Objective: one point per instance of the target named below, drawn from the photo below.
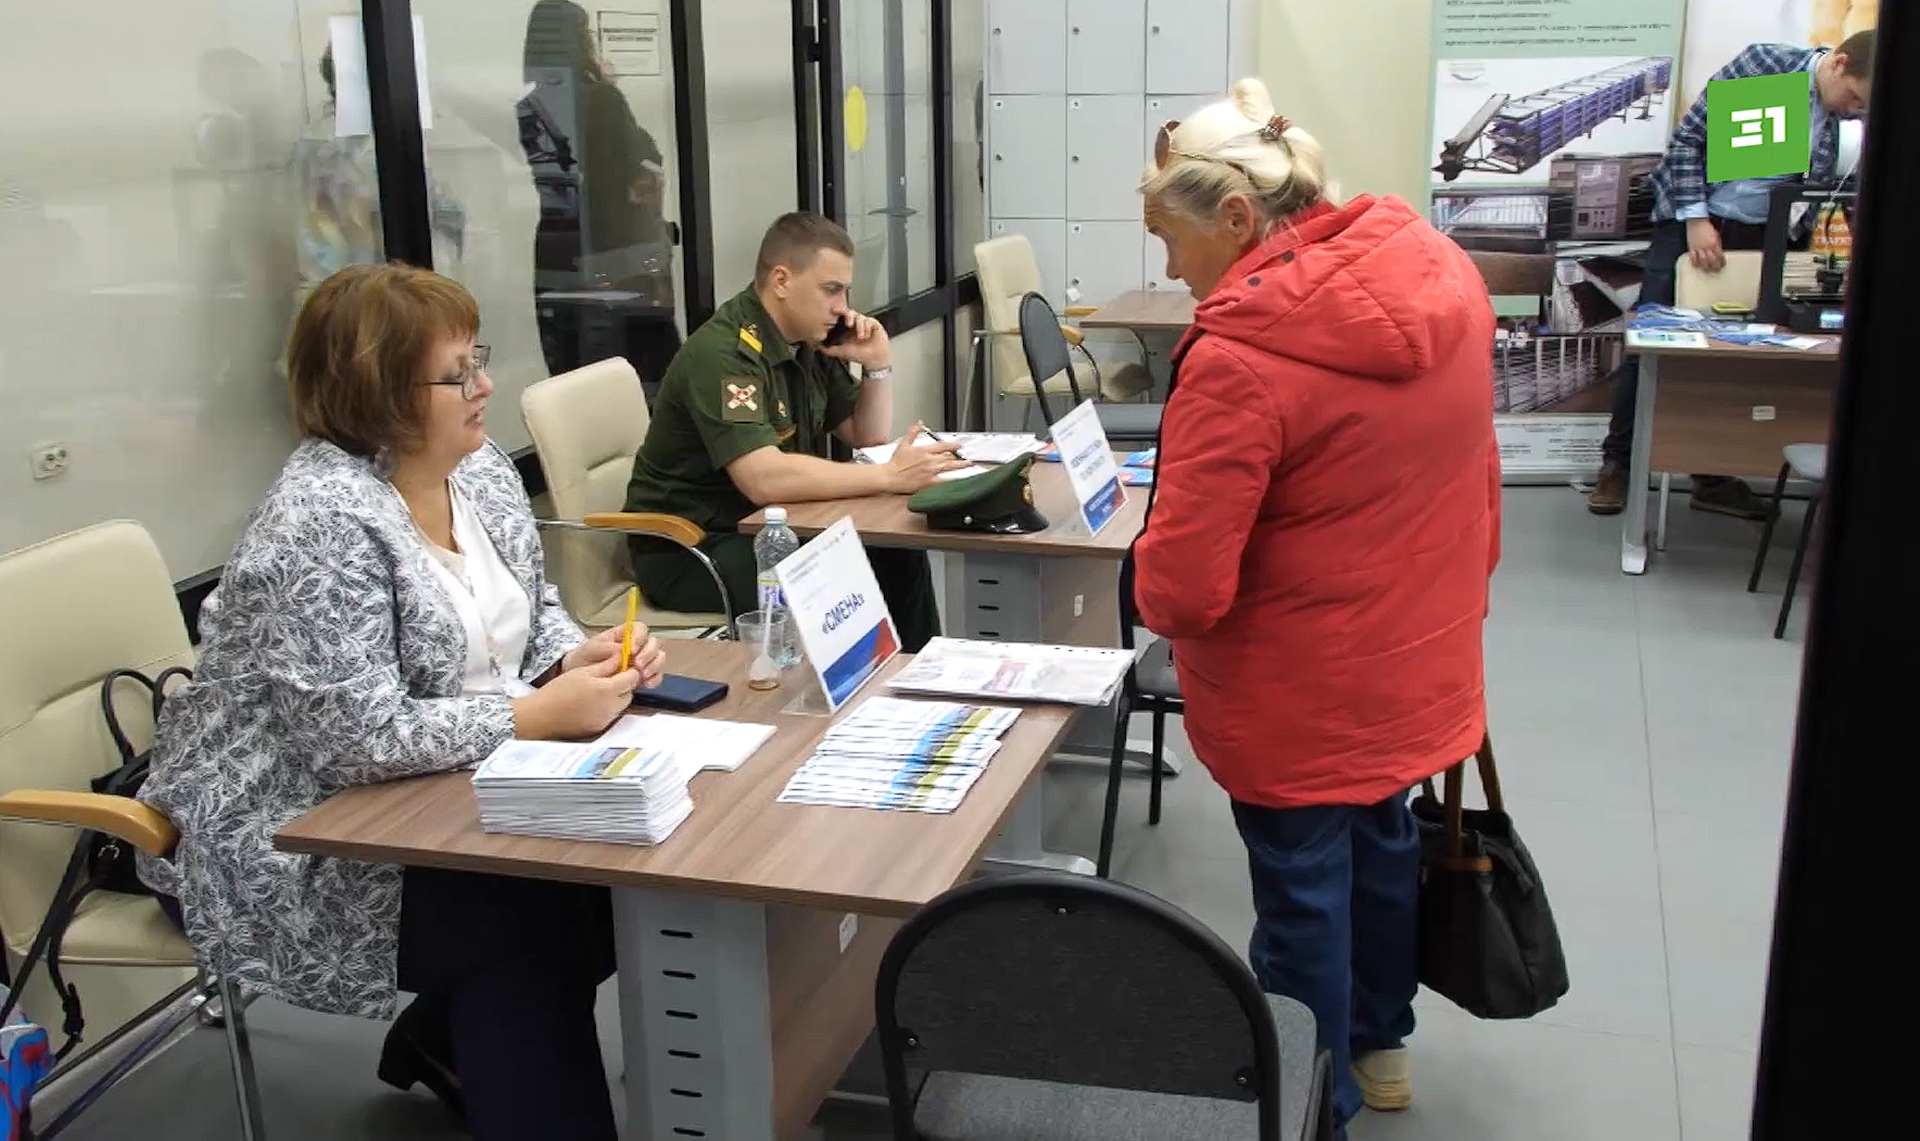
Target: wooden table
(1059, 586)
(746, 978)
(1145, 310)
(1724, 409)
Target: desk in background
(1059, 586)
(1143, 311)
(744, 981)
(1695, 412)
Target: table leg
(1019, 848)
(1021, 598)
(695, 1016)
(1633, 531)
(1660, 522)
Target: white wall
(1355, 75)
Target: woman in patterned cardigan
(386, 614)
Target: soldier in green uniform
(745, 416)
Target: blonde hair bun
(1249, 96)
(1225, 149)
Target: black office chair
(1080, 1009)
(1048, 355)
(1808, 462)
(1151, 686)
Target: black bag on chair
(110, 864)
(1487, 937)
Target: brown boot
(1609, 494)
(1725, 495)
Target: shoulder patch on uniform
(740, 401)
(750, 337)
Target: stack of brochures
(1016, 671)
(916, 756)
(628, 787)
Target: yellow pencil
(626, 639)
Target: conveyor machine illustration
(1508, 135)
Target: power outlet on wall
(48, 461)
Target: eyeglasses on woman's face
(468, 380)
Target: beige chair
(586, 426)
(72, 609)
(1008, 272)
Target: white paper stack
(628, 787)
(582, 792)
(1016, 671)
(985, 449)
(917, 756)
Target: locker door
(1026, 47)
(1026, 156)
(1103, 261)
(1106, 46)
(1187, 46)
(1048, 237)
(1106, 151)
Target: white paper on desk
(352, 101)
(697, 743)
(1665, 339)
(1797, 342)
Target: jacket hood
(1367, 289)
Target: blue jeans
(1336, 896)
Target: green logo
(1758, 128)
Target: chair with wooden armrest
(1008, 271)
(586, 426)
(72, 610)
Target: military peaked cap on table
(998, 501)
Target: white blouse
(493, 606)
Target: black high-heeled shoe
(410, 1055)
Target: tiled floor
(1644, 728)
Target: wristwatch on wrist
(881, 373)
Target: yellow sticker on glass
(855, 115)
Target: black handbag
(1487, 936)
(110, 864)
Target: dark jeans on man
(1336, 901)
(673, 580)
(506, 971)
(1668, 245)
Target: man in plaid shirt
(1703, 220)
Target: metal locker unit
(1027, 156)
(1026, 40)
(1103, 259)
(1106, 47)
(1107, 149)
(1188, 45)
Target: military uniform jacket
(735, 387)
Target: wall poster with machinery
(1547, 117)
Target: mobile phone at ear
(679, 694)
(837, 335)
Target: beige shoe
(1609, 494)
(1385, 1080)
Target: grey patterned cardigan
(331, 657)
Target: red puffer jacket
(1328, 511)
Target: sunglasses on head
(1275, 131)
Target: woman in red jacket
(1325, 522)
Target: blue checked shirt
(1680, 184)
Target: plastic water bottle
(774, 543)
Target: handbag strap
(1453, 835)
